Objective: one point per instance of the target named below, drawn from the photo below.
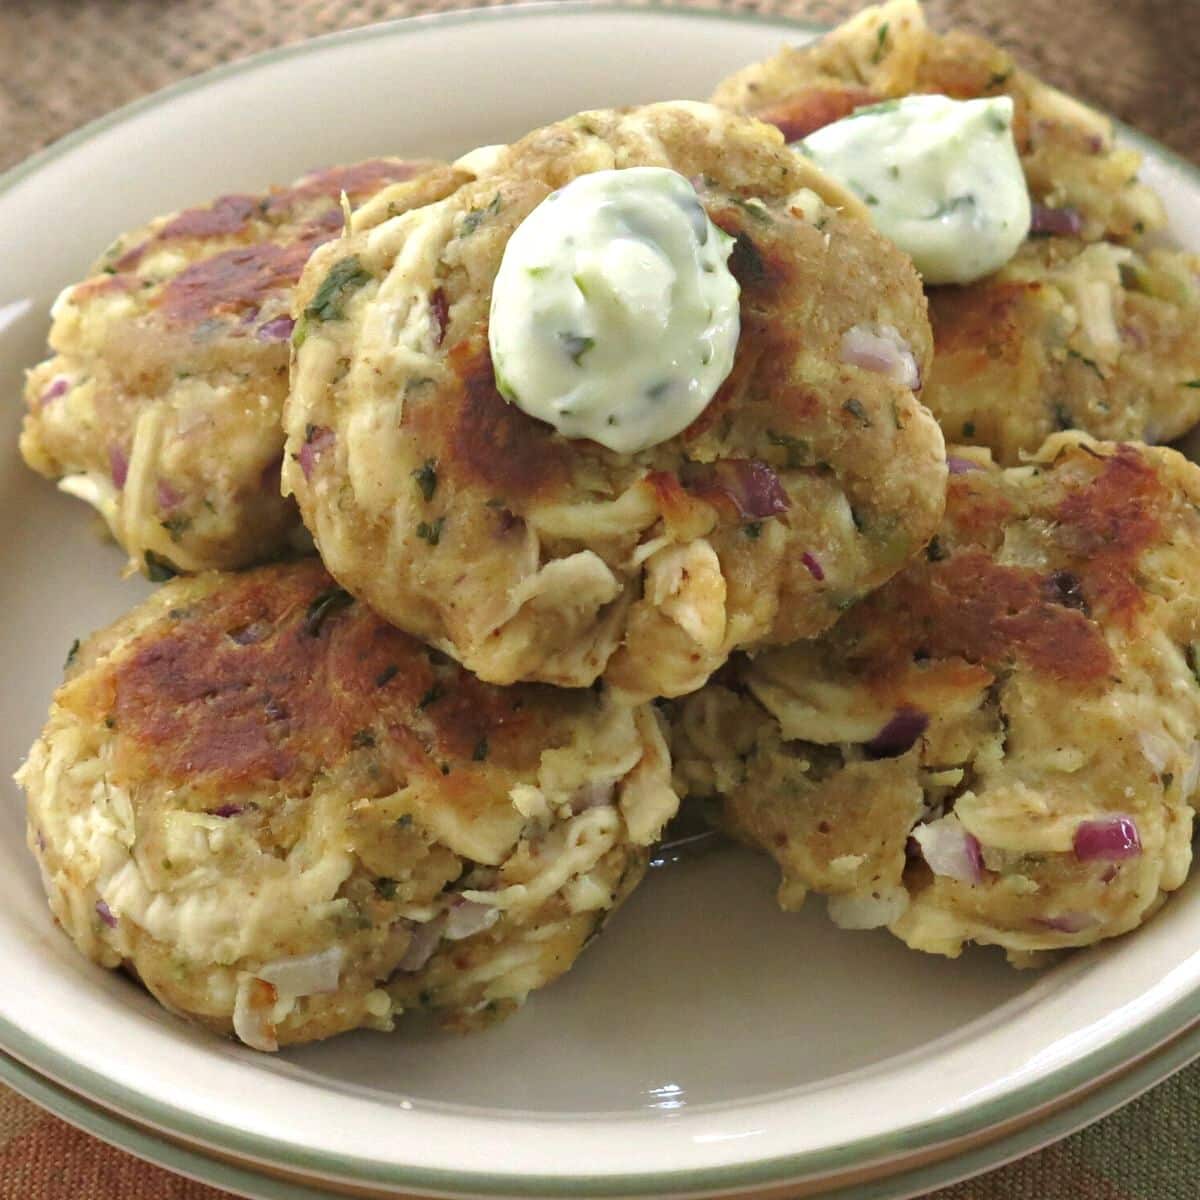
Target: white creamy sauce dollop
(614, 314)
(941, 178)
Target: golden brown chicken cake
(289, 819)
(998, 746)
(161, 405)
(1068, 336)
(1082, 182)
(809, 479)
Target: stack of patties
(161, 404)
(580, 421)
(1092, 323)
(1000, 745)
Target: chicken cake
(289, 819)
(999, 746)
(1069, 335)
(1082, 182)
(493, 447)
(161, 405)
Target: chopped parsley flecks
(798, 450)
(323, 607)
(158, 568)
(576, 345)
(1090, 363)
(1192, 654)
(855, 409)
(880, 44)
(431, 531)
(427, 478)
(329, 300)
(176, 526)
(477, 216)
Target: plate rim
(1179, 1021)
(110, 1127)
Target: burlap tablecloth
(63, 62)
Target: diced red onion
(592, 795)
(1071, 922)
(60, 387)
(106, 914)
(252, 634)
(1109, 840)
(960, 466)
(950, 850)
(881, 349)
(251, 1015)
(464, 918)
(227, 810)
(168, 497)
(320, 440)
(118, 466)
(814, 567)
(278, 329)
(425, 939)
(753, 487)
(899, 734)
(1057, 222)
(305, 975)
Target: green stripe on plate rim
(980, 1117)
(197, 1165)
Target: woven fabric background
(63, 62)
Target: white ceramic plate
(707, 1041)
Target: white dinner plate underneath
(707, 1041)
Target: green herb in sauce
(614, 313)
(941, 177)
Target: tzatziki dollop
(941, 178)
(614, 314)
